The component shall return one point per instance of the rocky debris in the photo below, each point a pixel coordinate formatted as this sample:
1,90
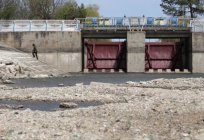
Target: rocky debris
179,83
79,84
40,76
200,135
130,112
68,105
15,64
8,63
11,107
10,70
8,82
60,85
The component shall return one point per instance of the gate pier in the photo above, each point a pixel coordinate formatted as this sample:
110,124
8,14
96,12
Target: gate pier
135,51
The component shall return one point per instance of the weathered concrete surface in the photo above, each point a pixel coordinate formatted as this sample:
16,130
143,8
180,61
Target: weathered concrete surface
60,49
45,41
197,52
68,62
135,52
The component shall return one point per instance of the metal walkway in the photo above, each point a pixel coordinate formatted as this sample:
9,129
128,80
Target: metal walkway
138,23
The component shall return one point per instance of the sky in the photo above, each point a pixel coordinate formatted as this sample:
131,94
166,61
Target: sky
118,8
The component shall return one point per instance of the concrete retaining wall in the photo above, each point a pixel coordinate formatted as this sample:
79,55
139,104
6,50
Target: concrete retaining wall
135,52
197,52
59,49
67,62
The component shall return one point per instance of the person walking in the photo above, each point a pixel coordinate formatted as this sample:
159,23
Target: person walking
35,52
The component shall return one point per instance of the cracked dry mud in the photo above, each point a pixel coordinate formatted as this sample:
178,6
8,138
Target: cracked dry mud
155,110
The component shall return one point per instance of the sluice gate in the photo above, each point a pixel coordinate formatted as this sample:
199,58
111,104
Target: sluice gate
113,55
163,55
106,55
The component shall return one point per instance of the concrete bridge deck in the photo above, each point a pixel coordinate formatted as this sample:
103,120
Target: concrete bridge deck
121,32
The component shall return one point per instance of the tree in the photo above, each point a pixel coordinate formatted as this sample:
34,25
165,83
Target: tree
92,10
43,9
183,7
69,10
82,11
7,9
22,9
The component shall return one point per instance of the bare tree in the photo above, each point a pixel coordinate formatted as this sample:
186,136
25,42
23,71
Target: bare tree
22,11
44,9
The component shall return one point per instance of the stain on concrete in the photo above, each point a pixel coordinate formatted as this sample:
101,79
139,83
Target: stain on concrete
18,39
44,34
4,37
36,35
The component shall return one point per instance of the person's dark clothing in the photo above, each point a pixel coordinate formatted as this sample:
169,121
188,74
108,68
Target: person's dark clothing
35,52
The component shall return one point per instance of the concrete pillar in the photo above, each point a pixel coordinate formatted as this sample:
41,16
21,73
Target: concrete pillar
135,51
197,52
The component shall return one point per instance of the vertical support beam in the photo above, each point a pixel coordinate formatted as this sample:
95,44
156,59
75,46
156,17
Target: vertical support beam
135,51
62,28
30,25
198,52
84,56
187,53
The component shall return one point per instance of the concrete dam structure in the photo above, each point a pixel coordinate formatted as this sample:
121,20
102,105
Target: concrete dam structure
85,45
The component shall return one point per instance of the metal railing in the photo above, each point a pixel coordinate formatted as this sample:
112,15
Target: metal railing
130,22
197,25
39,25
139,23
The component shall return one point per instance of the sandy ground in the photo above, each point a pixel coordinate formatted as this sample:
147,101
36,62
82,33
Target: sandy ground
155,110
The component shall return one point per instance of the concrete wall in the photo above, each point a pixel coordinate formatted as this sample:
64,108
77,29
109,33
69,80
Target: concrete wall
135,52
197,52
60,49
67,62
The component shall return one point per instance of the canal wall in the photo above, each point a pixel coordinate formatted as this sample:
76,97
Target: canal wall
59,49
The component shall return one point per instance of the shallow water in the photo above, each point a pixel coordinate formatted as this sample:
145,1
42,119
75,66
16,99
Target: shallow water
42,105
86,79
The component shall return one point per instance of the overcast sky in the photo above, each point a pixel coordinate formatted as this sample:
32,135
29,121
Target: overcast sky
118,8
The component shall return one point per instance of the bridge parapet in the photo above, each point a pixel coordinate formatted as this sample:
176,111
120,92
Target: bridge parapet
39,25
134,22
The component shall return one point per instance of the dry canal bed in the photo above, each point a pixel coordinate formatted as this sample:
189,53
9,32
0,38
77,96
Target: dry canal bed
161,109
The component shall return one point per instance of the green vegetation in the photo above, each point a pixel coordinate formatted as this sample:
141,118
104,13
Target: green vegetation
7,8
92,11
190,8
45,9
63,12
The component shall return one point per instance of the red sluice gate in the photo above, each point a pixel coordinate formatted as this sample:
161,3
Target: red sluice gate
163,55
113,55
106,55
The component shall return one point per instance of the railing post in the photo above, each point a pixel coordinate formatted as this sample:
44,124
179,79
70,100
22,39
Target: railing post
78,25
46,25
62,28
14,26
30,26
